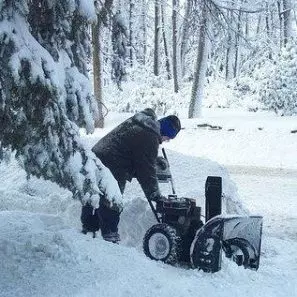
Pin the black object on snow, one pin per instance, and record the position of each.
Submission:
(90, 219)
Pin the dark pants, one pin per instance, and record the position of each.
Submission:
(109, 219)
(105, 217)
(110, 215)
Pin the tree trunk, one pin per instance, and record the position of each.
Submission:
(247, 26)
(201, 68)
(174, 45)
(259, 24)
(102, 18)
(237, 46)
(295, 17)
(281, 23)
(167, 63)
(268, 30)
(237, 41)
(267, 22)
(143, 16)
(99, 119)
(287, 6)
(185, 36)
(131, 8)
(157, 40)
(230, 51)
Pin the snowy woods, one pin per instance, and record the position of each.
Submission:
(136, 53)
(186, 46)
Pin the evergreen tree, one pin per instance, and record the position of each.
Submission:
(45, 94)
(278, 91)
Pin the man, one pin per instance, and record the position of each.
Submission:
(131, 150)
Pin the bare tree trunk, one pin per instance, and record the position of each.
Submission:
(99, 119)
(247, 26)
(102, 18)
(268, 29)
(295, 18)
(237, 46)
(201, 68)
(281, 22)
(174, 45)
(167, 63)
(185, 36)
(267, 22)
(157, 39)
(287, 6)
(131, 8)
(259, 23)
(229, 51)
(143, 13)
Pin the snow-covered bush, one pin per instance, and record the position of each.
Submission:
(218, 93)
(153, 92)
(254, 71)
(278, 92)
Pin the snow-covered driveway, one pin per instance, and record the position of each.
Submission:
(273, 193)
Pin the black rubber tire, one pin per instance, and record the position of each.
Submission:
(166, 239)
(213, 197)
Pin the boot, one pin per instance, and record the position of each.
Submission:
(109, 224)
(113, 237)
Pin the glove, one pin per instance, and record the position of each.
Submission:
(162, 163)
(157, 197)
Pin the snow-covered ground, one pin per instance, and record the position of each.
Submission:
(43, 253)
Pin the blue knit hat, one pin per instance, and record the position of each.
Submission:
(169, 126)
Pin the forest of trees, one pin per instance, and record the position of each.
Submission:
(50, 49)
(191, 40)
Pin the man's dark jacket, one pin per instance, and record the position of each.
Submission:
(130, 150)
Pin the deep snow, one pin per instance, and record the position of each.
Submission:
(43, 253)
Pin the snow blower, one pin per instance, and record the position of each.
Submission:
(181, 237)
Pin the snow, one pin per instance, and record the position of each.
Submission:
(43, 253)
(87, 9)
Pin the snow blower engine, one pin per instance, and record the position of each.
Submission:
(181, 237)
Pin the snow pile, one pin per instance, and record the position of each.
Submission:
(39, 196)
(41, 244)
(31, 245)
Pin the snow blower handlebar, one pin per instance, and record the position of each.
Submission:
(170, 178)
(164, 176)
(159, 220)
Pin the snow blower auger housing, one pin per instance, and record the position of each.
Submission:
(181, 237)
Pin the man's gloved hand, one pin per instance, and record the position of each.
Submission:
(162, 163)
(156, 197)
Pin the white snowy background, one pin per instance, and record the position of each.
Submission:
(43, 252)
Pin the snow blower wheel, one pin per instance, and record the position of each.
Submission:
(162, 243)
